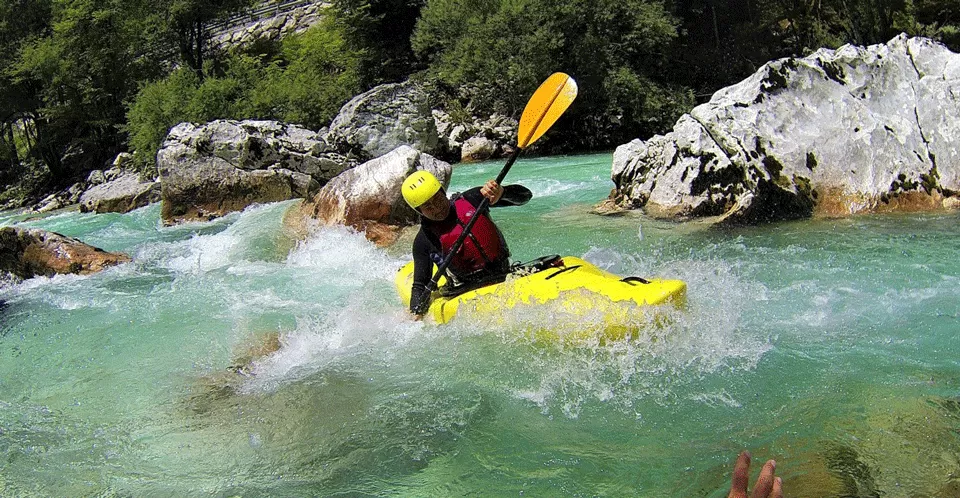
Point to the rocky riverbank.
(209, 169)
(840, 132)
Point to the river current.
(830, 345)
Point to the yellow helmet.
(419, 188)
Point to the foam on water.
(345, 254)
(569, 364)
(369, 326)
(222, 243)
(548, 187)
(348, 269)
(827, 345)
(355, 333)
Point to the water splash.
(342, 266)
(572, 361)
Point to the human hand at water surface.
(767, 485)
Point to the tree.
(19, 20)
(493, 54)
(188, 23)
(79, 75)
(305, 82)
(724, 41)
(381, 31)
(316, 74)
(938, 19)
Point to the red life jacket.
(484, 244)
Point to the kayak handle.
(574, 267)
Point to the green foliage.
(494, 54)
(311, 77)
(317, 74)
(936, 19)
(158, 107)
(81, 80)
(380, 30)
(78, 76)
(187, 21)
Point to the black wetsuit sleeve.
(513, 195)
(422, 273)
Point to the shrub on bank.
(305, 82)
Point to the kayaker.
(484, 253)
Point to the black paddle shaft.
(484, 205)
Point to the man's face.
(437, 207)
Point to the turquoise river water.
(830, 345)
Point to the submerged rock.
(835, 133)
(218, 390)
(368, 197)
(27, 253)
(210, 170)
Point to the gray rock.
(266, 22)
(477, 149)
(209, 170)
(50, 203)
(120, 195)
(838, 132)
(96, 177)
(75, 192)
(123, 161)
(384, 118)
(490, 137)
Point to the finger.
(765, 482)
(777, 488)
(741, 475)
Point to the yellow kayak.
(568, 285)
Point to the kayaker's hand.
(416, 317)
(767, 485)
(492, 191)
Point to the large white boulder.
(838, 132)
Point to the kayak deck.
(576, 286)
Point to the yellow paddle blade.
(547, 104)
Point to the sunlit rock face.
(857, 129)
(368, 197)
(212, 169)
(27, 253)
(122, 193)
(388, 116)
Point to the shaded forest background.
(82, 80)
